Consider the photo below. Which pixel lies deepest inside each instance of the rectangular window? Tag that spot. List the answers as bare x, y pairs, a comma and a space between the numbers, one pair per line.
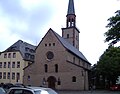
18, 64
53, 44
5, 55
46, 67
14, 55
13, 75
8, 64
13, 64
4, 75
9, 55
0, 75
8, 75
0, 64
56, 67
18, 76
4, 64
67, 35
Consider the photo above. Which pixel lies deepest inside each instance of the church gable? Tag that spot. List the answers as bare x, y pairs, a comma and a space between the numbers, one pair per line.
49, 44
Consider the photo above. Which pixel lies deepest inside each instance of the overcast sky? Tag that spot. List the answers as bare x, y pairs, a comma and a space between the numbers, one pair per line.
29, 20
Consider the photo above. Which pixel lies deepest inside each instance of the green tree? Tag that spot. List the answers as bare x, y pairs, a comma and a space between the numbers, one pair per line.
108, 65
113, 33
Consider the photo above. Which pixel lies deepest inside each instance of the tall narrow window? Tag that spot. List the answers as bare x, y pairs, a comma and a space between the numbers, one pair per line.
8, 64
8, 75
67, 35
46, 67
18, 64
0, 64
13, 75
28, 78
82, 73
73, 79
18, 76
0, 75
59, 82
56, 67
4, 64
13, 64
73, 59
4, 75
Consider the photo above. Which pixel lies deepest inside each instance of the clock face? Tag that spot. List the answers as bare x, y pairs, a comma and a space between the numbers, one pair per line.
50, 55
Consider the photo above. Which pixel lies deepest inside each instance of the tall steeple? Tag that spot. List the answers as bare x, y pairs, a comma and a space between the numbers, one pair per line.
71, 9
71, 33
71, 17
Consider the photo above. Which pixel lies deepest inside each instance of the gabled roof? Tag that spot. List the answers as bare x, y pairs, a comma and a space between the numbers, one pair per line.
27, 50
69, 47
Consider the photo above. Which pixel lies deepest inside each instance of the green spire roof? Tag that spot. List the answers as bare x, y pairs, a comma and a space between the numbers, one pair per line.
71, 9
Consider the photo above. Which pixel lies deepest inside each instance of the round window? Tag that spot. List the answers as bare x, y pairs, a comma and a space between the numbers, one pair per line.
50, 55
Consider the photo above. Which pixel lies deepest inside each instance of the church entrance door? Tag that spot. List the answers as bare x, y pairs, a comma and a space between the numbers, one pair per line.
51, 82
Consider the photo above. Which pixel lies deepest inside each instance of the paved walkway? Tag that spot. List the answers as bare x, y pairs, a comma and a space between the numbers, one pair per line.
89, 92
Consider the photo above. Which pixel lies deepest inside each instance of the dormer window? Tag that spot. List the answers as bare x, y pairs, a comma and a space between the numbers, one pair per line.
26, 49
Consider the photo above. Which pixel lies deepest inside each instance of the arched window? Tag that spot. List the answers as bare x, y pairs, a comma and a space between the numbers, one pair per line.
46, 67
56, 67
73, 79
72, 22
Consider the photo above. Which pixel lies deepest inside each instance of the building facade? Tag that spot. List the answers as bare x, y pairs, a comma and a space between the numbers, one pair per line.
58, 62
13, 60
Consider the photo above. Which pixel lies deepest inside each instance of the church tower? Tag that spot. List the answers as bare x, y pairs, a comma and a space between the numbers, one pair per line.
71, 33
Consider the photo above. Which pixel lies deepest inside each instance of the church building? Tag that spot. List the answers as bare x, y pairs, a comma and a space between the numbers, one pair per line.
58, 62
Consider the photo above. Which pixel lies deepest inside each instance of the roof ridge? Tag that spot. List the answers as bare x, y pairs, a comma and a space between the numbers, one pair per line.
70, 47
